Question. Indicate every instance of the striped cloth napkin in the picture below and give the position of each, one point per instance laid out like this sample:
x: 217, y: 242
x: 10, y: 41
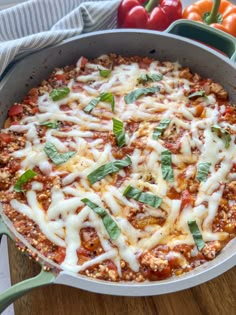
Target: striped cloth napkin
x: 39, y: 23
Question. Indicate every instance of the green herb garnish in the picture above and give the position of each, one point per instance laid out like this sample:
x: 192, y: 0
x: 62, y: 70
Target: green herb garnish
x: 197, y: 236
x: 119, y: 132
x: 93, y: 103
x: 143, y: 197
x: 222, y: 133
x: 144, y: 78
x: 103, y: 97
x: 105, y: 72
x: 112, y: 228
x: 159, y: 130
x: 202, y: 171
x: 166, y: 165
x: 50, y: 124
x: 24, y: 178
x: 59, y: 94
x: 197, y: 93
x: 56, y: 157
x: 108, y: 168
x: 134, y: 95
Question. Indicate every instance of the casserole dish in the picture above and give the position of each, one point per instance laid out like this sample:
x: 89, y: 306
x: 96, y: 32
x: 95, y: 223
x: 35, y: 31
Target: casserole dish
x: 32, y: 69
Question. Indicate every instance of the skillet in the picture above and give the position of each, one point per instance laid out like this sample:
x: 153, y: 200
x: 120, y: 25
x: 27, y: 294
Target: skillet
x: 30, y: 70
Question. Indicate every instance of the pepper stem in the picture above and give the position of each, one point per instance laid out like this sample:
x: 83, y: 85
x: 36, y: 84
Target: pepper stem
x: 212, y: 18
x: 150, y: 5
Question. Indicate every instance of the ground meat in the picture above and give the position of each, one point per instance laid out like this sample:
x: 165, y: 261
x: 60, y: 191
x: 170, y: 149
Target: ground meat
x: 186, y: 74
x: 4, y: 158
x: 211, y: 249
x: 155, y: 263
x: 5, y: 179
x: 230, y: 191
x: 159, y: 262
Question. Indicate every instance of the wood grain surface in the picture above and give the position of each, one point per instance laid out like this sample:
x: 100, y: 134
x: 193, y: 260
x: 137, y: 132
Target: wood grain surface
x: 216, y: 297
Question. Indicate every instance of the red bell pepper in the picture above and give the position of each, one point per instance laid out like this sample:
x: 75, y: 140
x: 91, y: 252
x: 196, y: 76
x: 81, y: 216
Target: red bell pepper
x: 16, y: 109
x: 151, y: 14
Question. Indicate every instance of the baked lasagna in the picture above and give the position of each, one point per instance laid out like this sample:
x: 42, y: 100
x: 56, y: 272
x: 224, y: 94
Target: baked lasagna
x: 122, y: 168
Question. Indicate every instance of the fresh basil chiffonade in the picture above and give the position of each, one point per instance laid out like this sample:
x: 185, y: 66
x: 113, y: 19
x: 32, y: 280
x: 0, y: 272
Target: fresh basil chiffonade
x: 144, y: 78
x: 50, y: 124
x: 166, y: 165
x: 119, y: 132
x: 56, y: 157
x: 200, y: 93
x: 59, y: 94
x: 159, y: 130
x: 103, y: 97
x: 202, y: 171
x: 23, y: 179
x: 112, y: 228
x: 223, y: 134
x: 134, y: 95
x: 107, y: 169
x: 197, y: 236
x: 105, y: 72
x: 143, y: 197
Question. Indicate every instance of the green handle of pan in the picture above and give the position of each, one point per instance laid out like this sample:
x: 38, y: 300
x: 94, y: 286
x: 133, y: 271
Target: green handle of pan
x: 20, y: 289
x: 205, y: 34
x: 4, y: 230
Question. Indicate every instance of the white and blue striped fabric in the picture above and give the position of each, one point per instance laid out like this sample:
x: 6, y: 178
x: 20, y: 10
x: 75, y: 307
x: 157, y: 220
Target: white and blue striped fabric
x: 35, y: 24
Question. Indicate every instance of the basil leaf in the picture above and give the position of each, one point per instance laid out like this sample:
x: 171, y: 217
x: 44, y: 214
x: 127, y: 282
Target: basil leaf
x: 197, y: 236
x: 160, y: 129
x: 198, y: 93
x: 134, y: 95
x: 56, y: 157
x: 224, y: 134
x: 112, y: 228
x: 50, y: 124
x: 166, y: 165
x: 107, y: 169
x: 93, y: 103
x: 144, y: 78
x: 105, y: 73
x: 103, y: 97
x: 59, y: 94
x: 118, y: 129
x: 108, y: 98
x: 143, y: 197
x: 24, y: 178
x: 202, y: 171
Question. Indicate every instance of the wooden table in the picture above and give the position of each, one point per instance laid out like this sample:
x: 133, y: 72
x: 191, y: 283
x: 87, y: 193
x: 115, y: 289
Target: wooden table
x: 216, y: 297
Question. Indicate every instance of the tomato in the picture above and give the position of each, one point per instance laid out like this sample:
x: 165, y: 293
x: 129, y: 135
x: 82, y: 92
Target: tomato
x: 65, y: 107
x: 30, y: 100
x: 35, y: 110
x: 16, y: 109
x: 161, y: 274
x: 229, y: 110
x: 4, y: 137
x: 111, y: 265
x: 81, y: 62
x: 60, y: 255
x: 15, y: 123
x: 60, y: 77
x: 83, y: 252
x: 186, y: 199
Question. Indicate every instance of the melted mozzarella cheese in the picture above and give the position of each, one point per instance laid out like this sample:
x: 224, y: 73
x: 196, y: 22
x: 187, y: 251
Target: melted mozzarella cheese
x: 62, y: 224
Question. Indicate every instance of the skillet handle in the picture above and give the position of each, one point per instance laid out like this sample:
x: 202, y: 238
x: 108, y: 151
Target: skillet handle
x: 205, y: 34
x: 4, y: 230
x: 20, y: 289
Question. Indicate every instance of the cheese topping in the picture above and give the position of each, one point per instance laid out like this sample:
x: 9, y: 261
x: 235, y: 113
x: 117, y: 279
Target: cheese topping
x: 189, y: 137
